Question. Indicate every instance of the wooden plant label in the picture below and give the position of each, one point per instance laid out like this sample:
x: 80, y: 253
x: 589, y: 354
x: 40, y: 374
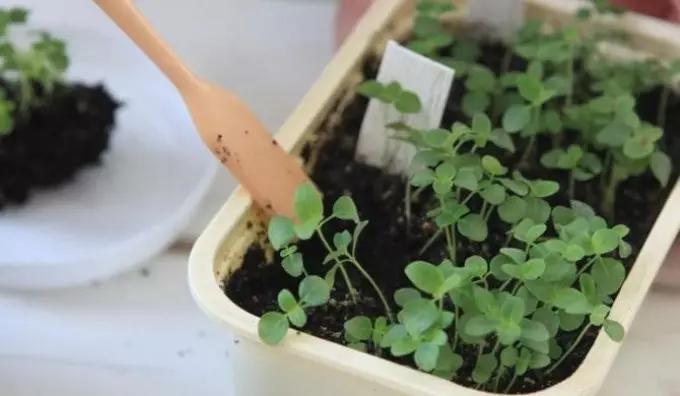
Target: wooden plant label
x: 429, y: 80
x: 505, y: 16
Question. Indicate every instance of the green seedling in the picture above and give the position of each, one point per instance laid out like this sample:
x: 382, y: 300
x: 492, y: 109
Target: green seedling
x: 558, y: 268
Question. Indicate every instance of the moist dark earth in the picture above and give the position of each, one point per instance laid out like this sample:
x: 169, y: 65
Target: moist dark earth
x: 387, y: 245
x: 64, y: 131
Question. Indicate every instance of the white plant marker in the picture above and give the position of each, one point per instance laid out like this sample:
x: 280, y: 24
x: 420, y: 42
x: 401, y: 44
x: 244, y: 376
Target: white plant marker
x: 505, y: 16
x: 429, y: 80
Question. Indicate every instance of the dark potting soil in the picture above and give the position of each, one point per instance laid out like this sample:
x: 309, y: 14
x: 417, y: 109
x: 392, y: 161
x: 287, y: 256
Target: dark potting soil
x: 388, y: 244
x: 62, y: 133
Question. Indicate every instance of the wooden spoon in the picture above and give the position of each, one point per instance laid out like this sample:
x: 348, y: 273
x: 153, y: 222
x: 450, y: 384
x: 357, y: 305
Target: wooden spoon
x: 226, y: 125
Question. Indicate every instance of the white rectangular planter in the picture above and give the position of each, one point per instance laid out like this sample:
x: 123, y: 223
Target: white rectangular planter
x: 307, y: 365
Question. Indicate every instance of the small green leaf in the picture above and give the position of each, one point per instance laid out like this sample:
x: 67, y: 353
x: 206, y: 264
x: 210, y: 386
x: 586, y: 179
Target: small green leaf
x: 341, y: 240
x: 609, y: 275
x: 272, y: 327
x: 493, y: 194
x: 605, y: 241
x: 532, y: 269
x: 281, y: 231
x: 661, y: 166
x: 370, y: 88
x: 549, y: 319
x: 466, y: 178
x: 502, y: 139
x: 599, y: 314
x: 493, y: 166
x: 425, y: 276
x: 573, y: 253
x: 408, y: 103
x: 544, y: 188
x: 308, y: 205
x: 402, y: 295
x: 570, y: 300
x: 480, y: 326
x: 476, y: 266
x: 286, y: 300
x: 404, y: 346
x: 518, y: 187
x: 512, y: 210
x: 426, y: 356
x: 570, y: 322
x: 475, y: 102
x: 293, y: 265
x: 484, y: 368
x: 474, y: 227
x: 509, y: 356
x: 418, y: 315
x: 344, y: 209
x: 297, y: 317
x: 516, y: 118
x: 614, y: 330
x: 360, y: 327
x: 539, y: 361
x: 448, y: 363
x: 314, y: 291
x: 529, y: 87
x: 534, y: 331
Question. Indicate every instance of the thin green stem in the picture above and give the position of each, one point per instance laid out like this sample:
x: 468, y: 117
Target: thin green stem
x: 456, y: 312
x: 571, y: 349
x: 431, y: 240
x: 570, y: 77
x: 352, y: 290
x: 499, y: 374
x: 407, y: 208
x: 418, y: 191
x: 572, y: 185
x: 663, y: 105
x: 587, y: 266
x: 512, y: 382
x: 370, y: 280
x: 451, y: 242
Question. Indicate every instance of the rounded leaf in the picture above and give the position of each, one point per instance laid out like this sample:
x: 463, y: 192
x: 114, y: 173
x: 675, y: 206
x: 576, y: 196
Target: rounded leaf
x: 661, y: 167
x: 272, y: 327
x: 543, y: 188
x: 479, y: 326
x: 605, y: 241
x: 512, y: 210
x: 493, y: 166
x: 614, y: 330
x: 297, y: 317
x: 516, y: 118
x: 286, y: 300
x: 314, y: 291
x: 308, y: 204
x: 609, y: 275
x: 426, y: 356
x: 402, y: 295
x: 474, y: 227
x: 425, y: 276
x: 359, y: 327
x: 418, y: 315
x: 281, y: 231
x: 344, y: 209
x: 293, y: 265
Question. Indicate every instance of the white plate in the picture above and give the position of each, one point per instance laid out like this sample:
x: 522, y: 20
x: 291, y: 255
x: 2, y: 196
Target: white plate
x: 130, y: 208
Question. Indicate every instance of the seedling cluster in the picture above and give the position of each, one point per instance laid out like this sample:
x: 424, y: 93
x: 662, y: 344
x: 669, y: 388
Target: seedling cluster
x: 560, y: 266
x: 28, y: 73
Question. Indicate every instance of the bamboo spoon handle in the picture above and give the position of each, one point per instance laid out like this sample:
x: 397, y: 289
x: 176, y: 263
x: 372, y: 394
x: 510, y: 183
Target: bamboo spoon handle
x: 132, y: 22
x: 227, y: 126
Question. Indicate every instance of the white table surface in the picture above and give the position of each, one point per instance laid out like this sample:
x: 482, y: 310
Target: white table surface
x: 141, y: 333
